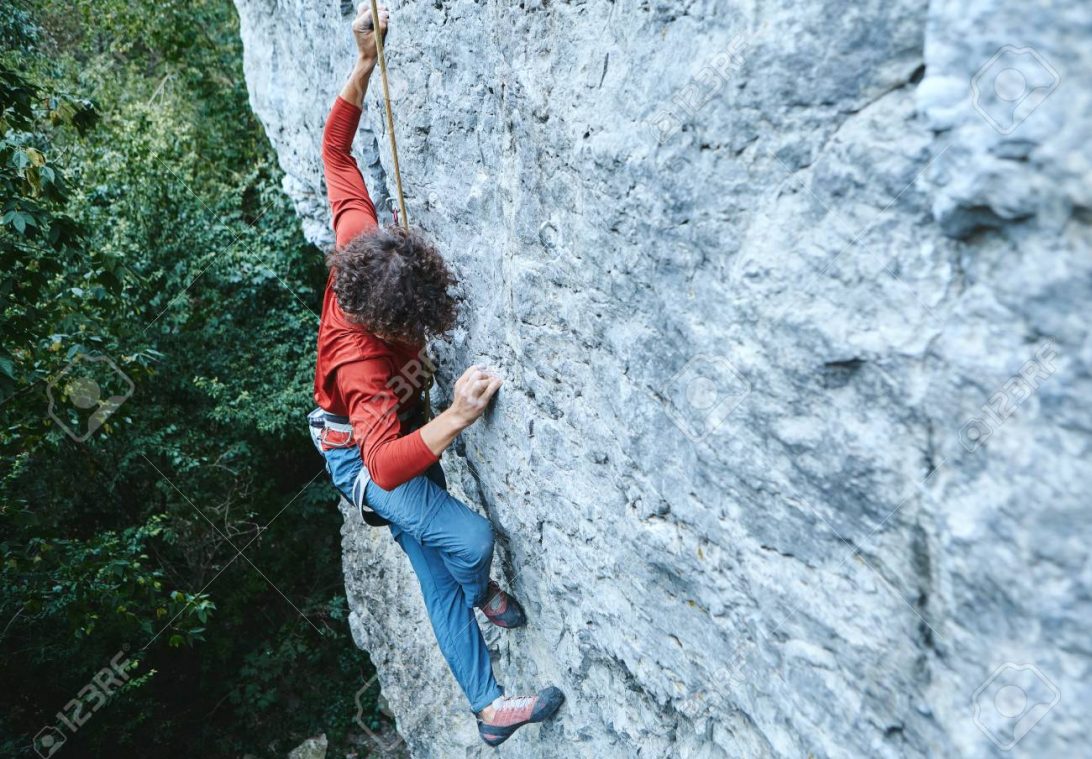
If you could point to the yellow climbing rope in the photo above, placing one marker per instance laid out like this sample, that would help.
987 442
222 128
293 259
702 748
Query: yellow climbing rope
378 33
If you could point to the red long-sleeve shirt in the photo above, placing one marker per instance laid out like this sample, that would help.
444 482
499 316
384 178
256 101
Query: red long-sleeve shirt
358 375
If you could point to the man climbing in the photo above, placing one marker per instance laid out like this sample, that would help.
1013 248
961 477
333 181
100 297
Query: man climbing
388 292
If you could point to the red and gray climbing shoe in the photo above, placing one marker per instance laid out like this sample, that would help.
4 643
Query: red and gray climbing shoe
513 713
502 609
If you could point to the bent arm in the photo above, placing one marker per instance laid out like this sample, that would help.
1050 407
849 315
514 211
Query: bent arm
350 202
470 397
373 412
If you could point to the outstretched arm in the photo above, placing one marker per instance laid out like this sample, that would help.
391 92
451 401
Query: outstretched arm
364 32
352 207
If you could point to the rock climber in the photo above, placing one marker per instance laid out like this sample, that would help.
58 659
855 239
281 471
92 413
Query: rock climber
387 293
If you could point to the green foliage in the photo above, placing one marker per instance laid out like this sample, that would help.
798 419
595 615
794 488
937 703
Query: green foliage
144 236
109 583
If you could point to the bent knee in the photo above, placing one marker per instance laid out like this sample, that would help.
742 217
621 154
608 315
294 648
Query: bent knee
479 543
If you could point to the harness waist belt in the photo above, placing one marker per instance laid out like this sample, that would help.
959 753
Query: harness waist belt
321 422
341 423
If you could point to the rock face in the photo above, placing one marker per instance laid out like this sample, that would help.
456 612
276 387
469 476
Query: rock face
312 748
792 299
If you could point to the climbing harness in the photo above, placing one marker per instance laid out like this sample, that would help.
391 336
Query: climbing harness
378 34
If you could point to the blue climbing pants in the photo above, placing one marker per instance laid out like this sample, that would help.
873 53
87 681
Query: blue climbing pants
450 548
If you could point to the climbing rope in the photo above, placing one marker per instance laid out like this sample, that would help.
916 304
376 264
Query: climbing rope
378 33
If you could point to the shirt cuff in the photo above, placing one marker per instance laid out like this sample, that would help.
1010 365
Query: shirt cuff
340 102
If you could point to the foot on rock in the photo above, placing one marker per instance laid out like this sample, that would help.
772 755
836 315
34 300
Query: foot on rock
510 714
502 609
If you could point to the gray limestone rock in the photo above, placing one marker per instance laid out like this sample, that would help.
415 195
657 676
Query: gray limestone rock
792 301
312 748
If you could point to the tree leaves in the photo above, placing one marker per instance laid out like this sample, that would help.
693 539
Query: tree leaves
154 231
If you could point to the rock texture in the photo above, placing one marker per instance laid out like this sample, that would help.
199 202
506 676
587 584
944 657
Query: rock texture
312 748
792 299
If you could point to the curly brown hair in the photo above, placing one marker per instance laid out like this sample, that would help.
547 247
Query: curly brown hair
394 282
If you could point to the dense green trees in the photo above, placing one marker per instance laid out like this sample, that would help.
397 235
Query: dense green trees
152 264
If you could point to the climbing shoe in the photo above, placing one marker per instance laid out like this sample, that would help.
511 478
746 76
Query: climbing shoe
513 713
501 609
